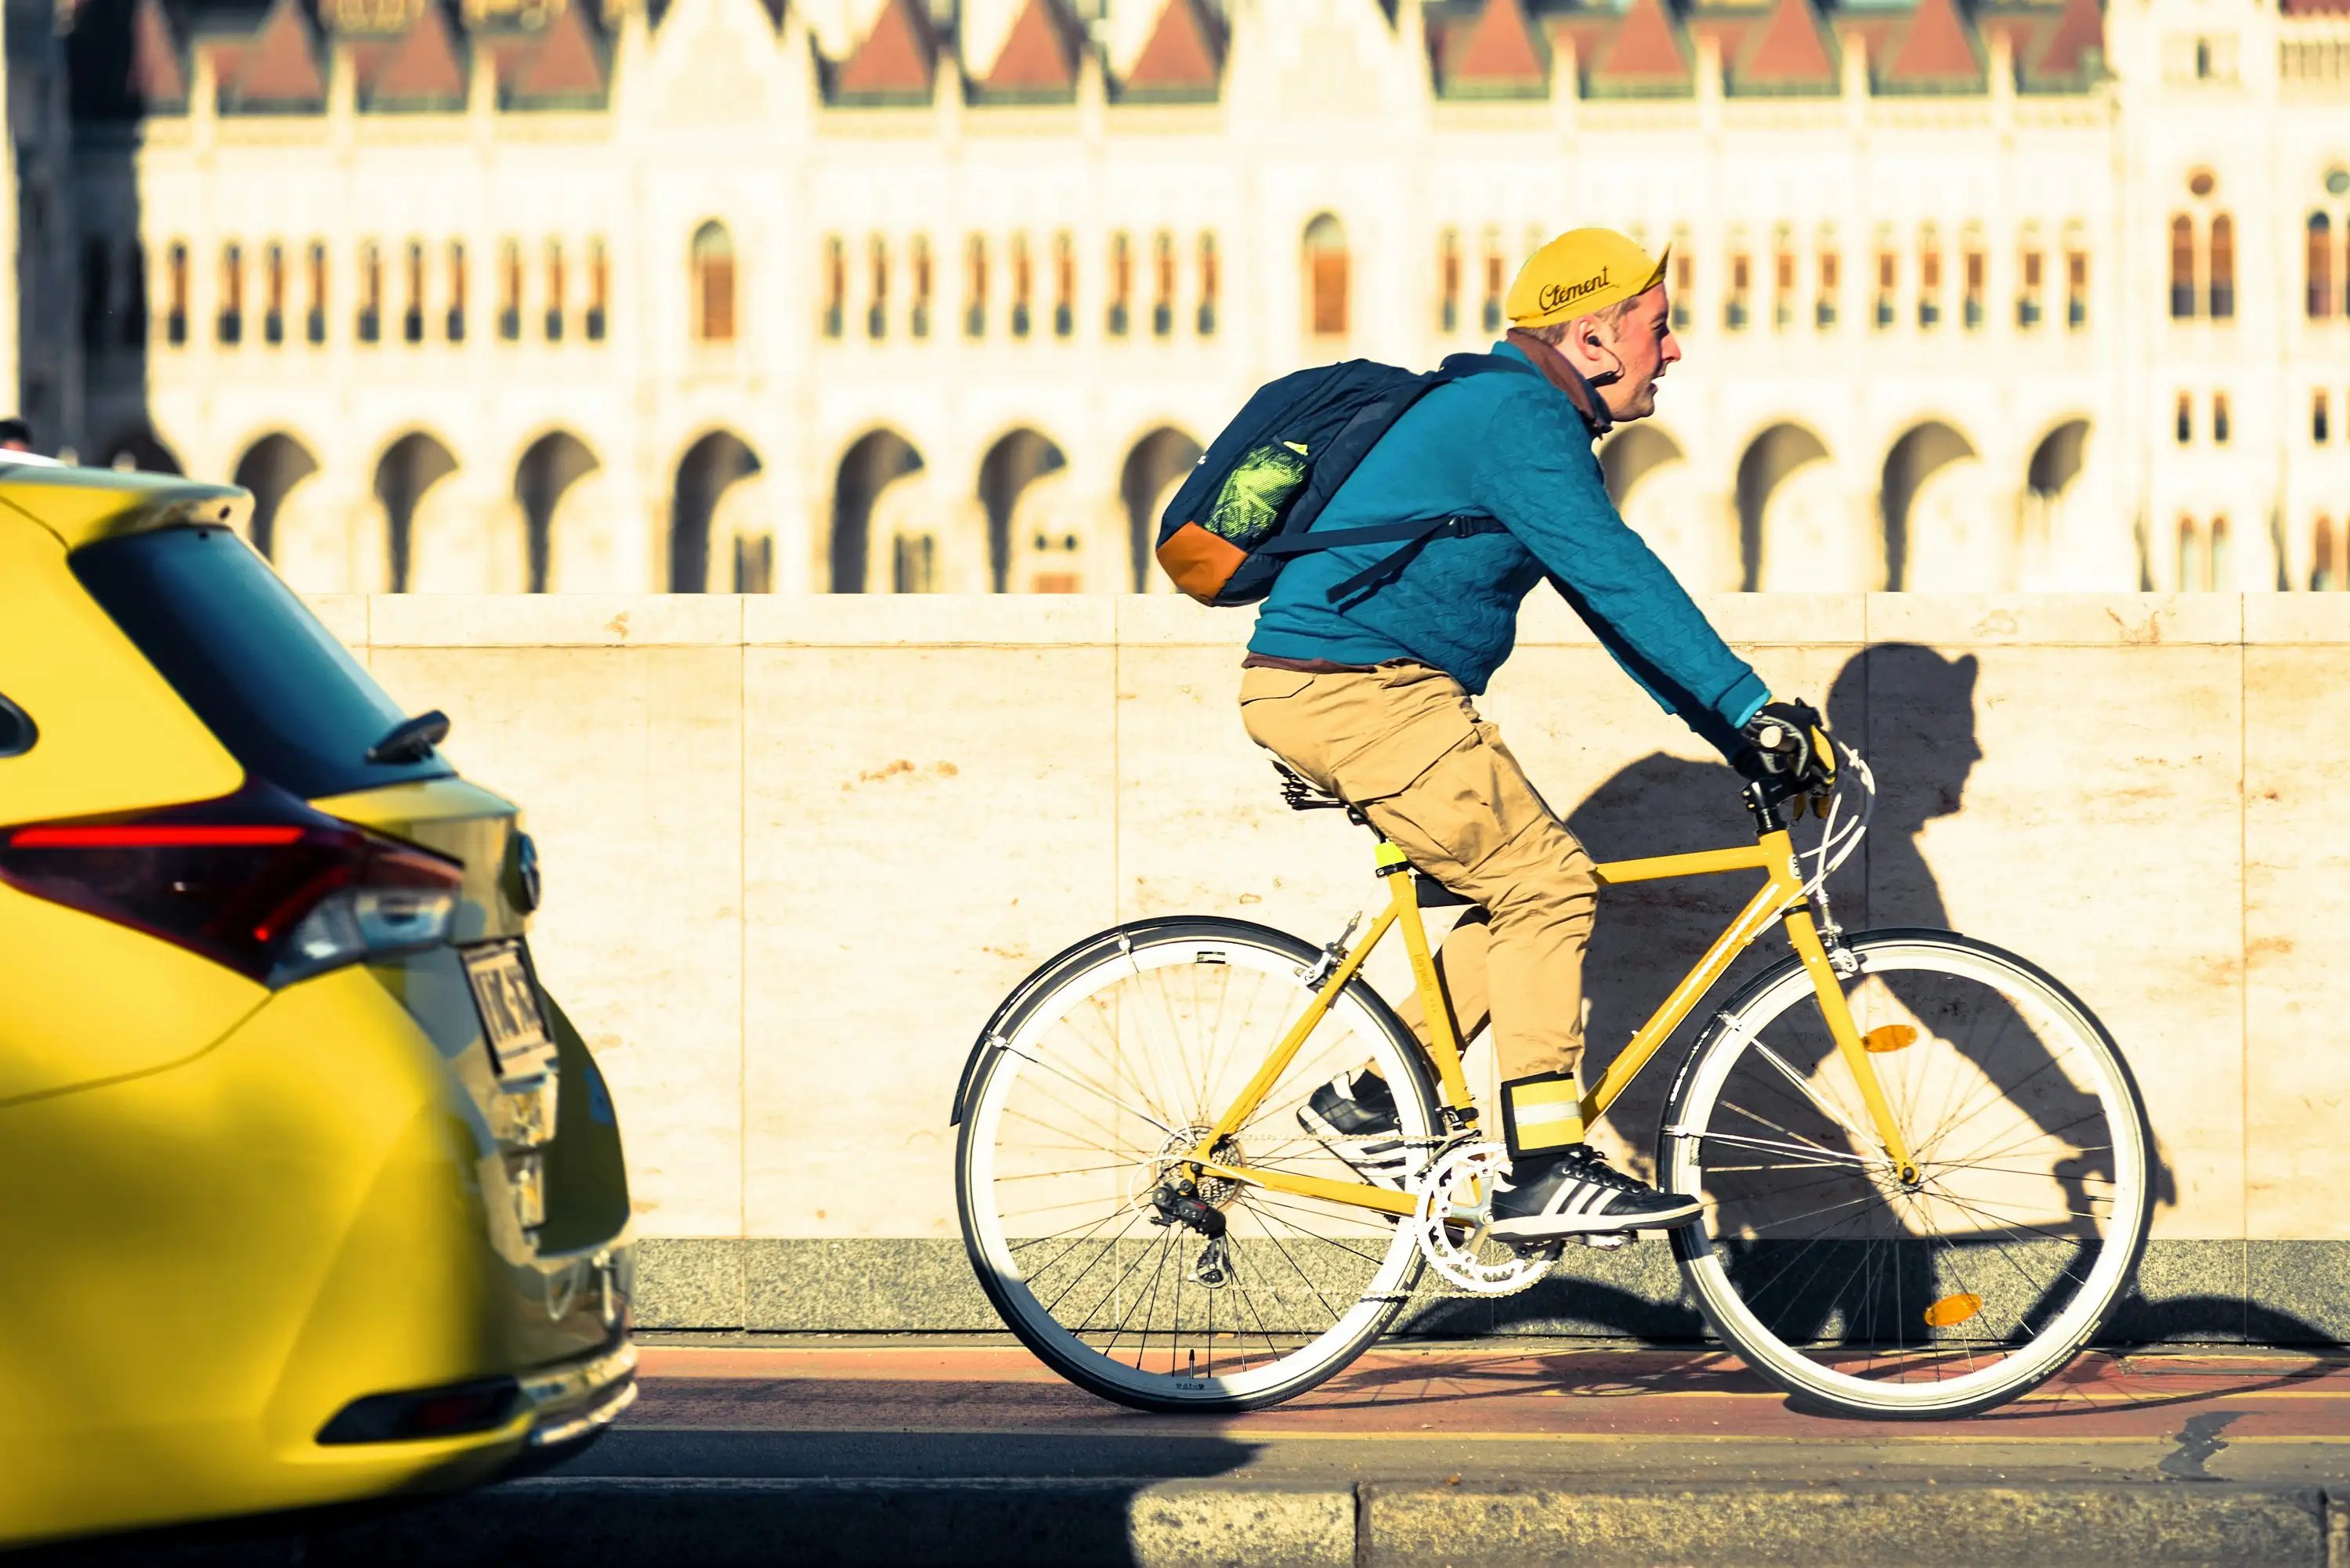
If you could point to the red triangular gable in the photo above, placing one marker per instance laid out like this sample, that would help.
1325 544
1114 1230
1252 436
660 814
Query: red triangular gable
279 66
156 74
1937 47
1039 55
2081 29
896 59
565 64
423 64
1645 47
1182 55
1789 49
1497 50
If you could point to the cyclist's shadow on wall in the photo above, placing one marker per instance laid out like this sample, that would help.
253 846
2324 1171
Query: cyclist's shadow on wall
1911 712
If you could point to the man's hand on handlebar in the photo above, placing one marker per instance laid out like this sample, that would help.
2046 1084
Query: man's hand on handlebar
1787 746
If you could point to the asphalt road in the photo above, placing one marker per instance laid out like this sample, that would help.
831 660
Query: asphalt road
879 1452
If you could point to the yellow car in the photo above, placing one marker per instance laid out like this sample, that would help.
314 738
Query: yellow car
307 1191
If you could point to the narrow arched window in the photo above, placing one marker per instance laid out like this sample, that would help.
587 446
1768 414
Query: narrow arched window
1207 285
1023 284
2182 269
455 321
509 292
2223 268
876 309
2320 266
1162 284
1831 283
314 324
2077 289
175 294
1496 267
918 320
1930 278
713 283
2029 282
1974 280
1684 283
1782 278
273 293
836 285
1448 281
2220 574
1326 277
1065 284
1737 306
558 291
1121 282
411 319
599 290
371 316
974 308
2322 574
232 297
2191 559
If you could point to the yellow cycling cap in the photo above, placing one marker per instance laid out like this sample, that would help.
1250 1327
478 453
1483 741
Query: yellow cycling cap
1581 271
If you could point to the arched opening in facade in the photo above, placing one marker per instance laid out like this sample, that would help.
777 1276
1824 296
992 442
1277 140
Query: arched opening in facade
140 448
1770 460
1154 467
1658 492
413 465
1010 467
713 283
709 468
1916 457
872 463
1326 277
270 468
550 468
2057 461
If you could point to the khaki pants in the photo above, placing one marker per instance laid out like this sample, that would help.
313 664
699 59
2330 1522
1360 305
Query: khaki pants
1404 743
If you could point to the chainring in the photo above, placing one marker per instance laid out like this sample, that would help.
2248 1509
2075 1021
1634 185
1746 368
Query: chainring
1456 1205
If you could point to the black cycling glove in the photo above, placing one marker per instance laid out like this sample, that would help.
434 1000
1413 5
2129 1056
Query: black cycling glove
1787 743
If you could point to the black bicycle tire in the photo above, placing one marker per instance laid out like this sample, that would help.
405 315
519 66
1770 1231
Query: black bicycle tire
1007 1022
1685 1241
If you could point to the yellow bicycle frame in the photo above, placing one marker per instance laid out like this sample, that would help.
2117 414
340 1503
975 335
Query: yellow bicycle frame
1781 898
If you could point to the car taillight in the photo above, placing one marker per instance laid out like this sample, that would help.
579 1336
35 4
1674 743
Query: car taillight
277 900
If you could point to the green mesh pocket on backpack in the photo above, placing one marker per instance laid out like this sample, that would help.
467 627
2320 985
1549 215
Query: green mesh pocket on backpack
1261 484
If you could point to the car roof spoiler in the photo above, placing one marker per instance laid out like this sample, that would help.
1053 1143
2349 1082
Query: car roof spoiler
84 505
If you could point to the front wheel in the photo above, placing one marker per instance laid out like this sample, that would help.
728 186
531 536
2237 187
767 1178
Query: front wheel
1108 1066
1864 1294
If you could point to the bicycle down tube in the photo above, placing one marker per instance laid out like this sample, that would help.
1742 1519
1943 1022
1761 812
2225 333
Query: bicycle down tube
1780 897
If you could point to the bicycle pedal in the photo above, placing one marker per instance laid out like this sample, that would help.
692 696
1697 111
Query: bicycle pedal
1606 1241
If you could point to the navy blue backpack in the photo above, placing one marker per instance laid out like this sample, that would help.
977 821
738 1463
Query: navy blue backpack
1244 512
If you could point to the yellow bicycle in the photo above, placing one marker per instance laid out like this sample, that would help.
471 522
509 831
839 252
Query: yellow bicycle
1925 1166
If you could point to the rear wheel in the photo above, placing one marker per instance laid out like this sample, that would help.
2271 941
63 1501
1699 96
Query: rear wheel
1116 1059
1865 1294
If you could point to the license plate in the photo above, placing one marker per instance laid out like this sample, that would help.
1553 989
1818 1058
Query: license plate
508 1003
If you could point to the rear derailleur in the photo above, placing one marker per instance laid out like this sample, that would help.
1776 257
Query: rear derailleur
1177 1202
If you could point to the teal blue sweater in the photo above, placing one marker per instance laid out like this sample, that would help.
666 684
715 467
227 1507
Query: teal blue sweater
1505 444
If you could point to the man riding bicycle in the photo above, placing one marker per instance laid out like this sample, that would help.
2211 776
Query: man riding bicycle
1372 699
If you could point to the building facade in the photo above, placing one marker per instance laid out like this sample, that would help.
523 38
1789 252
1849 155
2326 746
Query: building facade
915 295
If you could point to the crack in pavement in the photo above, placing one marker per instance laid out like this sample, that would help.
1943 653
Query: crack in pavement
2198 1443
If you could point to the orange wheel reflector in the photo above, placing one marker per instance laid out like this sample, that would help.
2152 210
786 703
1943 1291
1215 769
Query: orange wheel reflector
1892 1037
1953 1309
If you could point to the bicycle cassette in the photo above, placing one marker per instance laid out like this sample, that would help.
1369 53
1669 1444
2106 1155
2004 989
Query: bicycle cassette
1456 1206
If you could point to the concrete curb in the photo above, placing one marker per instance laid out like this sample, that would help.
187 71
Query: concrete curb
629 1523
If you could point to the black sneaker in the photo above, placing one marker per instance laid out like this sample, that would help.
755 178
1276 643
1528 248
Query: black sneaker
1354 1118
1578 1193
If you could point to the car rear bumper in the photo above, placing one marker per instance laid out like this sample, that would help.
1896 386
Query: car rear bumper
569 1402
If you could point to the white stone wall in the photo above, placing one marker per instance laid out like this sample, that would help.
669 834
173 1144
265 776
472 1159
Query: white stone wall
796 848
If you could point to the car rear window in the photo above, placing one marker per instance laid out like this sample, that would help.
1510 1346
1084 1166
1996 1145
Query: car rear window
266 678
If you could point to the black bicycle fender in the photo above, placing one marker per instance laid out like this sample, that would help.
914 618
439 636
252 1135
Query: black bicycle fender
989 1040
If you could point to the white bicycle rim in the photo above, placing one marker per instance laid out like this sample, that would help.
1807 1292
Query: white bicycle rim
1036 1056
2079 1060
